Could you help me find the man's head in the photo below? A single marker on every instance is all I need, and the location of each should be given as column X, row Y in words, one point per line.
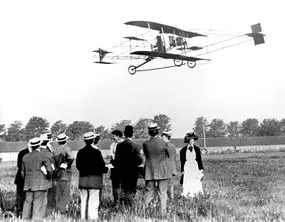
column 34, row 143
column 129, row 131
column 45, row 139
column 89, row 138
column 62, row 138
column 166, row 136
column 117, row 135
column 153, row 129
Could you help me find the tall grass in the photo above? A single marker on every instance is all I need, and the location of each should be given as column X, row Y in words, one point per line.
column 237, row 187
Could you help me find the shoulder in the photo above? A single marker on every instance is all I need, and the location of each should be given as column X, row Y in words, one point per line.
column 183, row 149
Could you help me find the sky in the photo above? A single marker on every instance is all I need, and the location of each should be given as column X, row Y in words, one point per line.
column 47, row 67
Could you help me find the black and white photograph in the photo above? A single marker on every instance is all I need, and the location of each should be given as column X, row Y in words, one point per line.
column 142, row 111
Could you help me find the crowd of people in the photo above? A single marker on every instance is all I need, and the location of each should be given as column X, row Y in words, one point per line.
column 44, row 172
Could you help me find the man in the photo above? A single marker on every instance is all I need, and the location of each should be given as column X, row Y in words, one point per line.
column 48, row 152
column 19, row 181
column 157, row 170
column 114, row 176
column 63, row 160
column 172, row 161
column 127, row 160
column 36, row 170
column 91, row 167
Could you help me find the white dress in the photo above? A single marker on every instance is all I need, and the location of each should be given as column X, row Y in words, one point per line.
column 192, row 176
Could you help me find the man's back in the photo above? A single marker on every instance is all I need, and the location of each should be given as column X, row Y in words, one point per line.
column 34, row 178
column 156, row 153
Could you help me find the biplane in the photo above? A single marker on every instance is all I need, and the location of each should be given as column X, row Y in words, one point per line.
column 170, row 43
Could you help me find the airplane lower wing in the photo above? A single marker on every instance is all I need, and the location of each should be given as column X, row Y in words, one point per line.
column 165, row 55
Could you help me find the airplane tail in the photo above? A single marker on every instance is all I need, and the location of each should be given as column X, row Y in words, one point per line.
column 101, row 53
column 256, row 34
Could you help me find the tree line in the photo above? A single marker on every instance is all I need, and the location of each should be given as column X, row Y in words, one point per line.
column 247, row 128
column 216, row 128
column 39, row 125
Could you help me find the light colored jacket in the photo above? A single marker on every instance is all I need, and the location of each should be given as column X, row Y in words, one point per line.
column 34, row 178
column 157, row 155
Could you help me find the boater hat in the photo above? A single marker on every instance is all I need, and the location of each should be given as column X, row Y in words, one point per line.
column 153, row 126
column 36, row 141
column 89, row 135
column 166, row 133
column 62, row 137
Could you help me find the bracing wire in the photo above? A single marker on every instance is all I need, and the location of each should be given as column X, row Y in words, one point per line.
column 228, row 46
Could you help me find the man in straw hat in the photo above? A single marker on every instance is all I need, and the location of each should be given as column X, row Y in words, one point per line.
column 63, row 160
column 157, row 170
column 36, row 171
column 91, row 167
column 47, row 150
column 172, row 161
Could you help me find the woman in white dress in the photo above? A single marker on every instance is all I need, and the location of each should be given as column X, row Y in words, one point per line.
column 191, row 167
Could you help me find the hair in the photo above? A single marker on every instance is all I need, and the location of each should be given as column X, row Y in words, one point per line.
column 153, row 132
column 96, row 139
column 35, row 147
column 62, row 143
column 44, row 143
column 117, row 133
column 129, row 131
column 89, row 142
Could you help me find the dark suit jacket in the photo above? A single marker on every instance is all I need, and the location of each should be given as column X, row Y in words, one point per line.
column 63, row 154
column 19, row 180
column 127, row 159
column 157, row 154
column 183, row 159
column 91, row 167
column 34, row 178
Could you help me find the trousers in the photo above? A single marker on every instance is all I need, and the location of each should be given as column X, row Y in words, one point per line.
column 35, row 205
column 90, row 199
column 62, row 196
column 151, row 186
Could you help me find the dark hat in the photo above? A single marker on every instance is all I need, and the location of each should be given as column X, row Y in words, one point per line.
column 190, row 135
column 152, row 126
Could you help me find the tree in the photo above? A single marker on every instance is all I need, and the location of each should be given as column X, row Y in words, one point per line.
column 104, row 133
column 76, row 129
column 140, row 128
column 198, row 126
column 217, row 128
column 233, row 129
column 250, row 127
column 58, row 127
column 2, row 131
column 36, row 126
column 121, row 125
column 163, row 121
column 270, row 127
column 15, row 132
column 282, row 126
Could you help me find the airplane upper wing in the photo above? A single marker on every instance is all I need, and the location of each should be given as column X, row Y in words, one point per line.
column 168, row 55
column 164, row 28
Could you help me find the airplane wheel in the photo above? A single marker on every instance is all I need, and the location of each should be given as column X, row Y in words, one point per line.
column 191, row 64
column 178, row 62
column 132, row 70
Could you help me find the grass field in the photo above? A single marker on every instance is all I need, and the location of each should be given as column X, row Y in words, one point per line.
column 238, row 187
